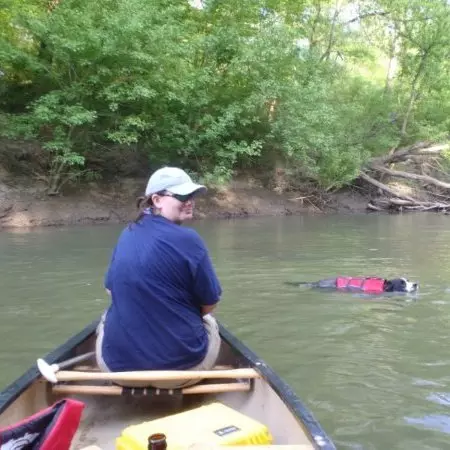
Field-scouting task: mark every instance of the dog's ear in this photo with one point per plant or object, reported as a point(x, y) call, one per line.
point(388, 286)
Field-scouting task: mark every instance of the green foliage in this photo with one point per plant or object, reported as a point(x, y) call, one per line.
point(227, 86)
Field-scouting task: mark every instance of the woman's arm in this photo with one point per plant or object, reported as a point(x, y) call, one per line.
point(207, 289)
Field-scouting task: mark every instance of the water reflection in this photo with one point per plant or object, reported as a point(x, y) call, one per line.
point(439, 422)
point(443, 398)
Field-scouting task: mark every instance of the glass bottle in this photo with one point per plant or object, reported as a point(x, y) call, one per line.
point(157, 441)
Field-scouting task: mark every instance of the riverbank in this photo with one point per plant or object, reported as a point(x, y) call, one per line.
point(25, 204)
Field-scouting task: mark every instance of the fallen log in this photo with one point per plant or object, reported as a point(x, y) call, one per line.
point(434, 192)
point(434, 149)
point(408, 205)
point(412, 176)
point(383, 186)
point(400, 202)
point(404, 153)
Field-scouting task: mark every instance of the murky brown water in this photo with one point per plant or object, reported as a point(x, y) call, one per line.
point(376, 373)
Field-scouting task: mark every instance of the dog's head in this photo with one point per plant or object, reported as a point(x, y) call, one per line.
point(400, 285)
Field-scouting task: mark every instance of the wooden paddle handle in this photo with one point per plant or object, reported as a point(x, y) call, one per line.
point(156, 375)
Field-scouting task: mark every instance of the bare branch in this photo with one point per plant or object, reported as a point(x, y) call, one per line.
point(369, 14)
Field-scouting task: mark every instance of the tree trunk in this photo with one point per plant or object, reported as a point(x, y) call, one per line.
point(413, 94)
point(392, 65)
point(327, 52)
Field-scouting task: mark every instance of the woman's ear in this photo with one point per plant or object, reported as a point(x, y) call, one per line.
point(153, 199)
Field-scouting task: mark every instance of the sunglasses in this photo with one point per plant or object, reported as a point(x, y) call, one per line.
point(180, 198)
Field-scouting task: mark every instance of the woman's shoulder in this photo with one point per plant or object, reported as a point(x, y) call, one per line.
point(191, 241)
point(192, 235)
point(164, 230)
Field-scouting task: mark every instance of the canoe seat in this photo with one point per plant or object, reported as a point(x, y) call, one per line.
point(114, 390)
point(94, 383)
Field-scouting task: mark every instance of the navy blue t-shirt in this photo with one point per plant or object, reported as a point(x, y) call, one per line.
point(159, 277)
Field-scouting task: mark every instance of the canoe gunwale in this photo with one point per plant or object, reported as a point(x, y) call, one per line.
point(64, 351)
point(284, 391)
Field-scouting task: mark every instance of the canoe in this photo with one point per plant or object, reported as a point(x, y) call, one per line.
point(256, 392)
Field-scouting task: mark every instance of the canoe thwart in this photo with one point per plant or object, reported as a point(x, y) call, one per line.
point(79, 389)
point(156, 375)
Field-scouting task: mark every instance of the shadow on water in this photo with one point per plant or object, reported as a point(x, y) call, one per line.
point(375, 372)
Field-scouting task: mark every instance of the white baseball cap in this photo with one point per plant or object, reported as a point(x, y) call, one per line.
point(174, 180)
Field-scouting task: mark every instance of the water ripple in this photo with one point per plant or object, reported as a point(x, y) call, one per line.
point(375, 372)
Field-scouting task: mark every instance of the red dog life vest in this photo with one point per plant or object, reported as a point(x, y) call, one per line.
point(370, 285)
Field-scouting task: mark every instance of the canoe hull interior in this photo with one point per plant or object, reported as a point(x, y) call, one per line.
point(270, 401)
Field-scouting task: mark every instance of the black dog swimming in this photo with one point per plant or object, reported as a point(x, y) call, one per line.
point(369, 285)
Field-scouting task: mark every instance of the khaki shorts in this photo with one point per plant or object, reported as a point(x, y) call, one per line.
point(212, 354)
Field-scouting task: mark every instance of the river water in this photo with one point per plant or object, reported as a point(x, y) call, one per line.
point(375, 372)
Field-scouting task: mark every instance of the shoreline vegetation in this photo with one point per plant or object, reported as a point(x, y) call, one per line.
point(281, 107)
point(25, 203)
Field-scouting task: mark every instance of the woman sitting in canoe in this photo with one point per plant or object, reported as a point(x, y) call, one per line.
point(163, 287)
